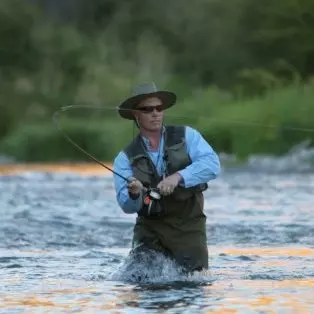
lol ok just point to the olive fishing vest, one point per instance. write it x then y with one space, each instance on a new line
174 155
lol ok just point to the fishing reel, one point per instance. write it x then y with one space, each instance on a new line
154 194
152 206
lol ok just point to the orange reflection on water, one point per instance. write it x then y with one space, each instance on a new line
236 296
242 295
271 251
80 168
29 301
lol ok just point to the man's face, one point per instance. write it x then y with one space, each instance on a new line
149 114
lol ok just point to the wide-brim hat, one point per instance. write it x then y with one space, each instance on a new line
141 92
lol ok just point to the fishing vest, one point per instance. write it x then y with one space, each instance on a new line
175 157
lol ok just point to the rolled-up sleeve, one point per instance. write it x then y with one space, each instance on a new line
205 164
122 166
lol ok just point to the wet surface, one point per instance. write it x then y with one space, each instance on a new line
64 243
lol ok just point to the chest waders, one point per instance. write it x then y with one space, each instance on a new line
180 231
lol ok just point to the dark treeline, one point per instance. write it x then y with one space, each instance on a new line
213 41
53 53
209 41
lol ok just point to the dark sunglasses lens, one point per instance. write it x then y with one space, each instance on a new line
151 109
146 109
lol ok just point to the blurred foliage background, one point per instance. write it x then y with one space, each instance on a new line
243 72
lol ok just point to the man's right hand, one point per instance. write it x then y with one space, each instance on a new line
134 187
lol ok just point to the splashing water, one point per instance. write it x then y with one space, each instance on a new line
152 267
300 158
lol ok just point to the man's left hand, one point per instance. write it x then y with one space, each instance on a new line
167 185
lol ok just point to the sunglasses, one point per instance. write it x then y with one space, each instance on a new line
150 109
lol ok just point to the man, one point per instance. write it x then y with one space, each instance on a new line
178 163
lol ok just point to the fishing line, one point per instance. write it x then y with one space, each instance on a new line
234 121
71 107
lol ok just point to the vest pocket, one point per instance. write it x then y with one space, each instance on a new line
177 157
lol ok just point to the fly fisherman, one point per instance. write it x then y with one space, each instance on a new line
178 163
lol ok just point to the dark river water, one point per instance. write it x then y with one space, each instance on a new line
64 244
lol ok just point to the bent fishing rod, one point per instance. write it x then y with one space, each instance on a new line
55 120
153 193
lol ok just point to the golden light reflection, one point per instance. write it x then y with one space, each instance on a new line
236 298
236 295
29 301
80 168
270 251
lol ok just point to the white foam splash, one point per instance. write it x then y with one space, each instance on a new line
154 268
299 159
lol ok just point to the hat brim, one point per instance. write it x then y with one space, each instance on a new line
125 109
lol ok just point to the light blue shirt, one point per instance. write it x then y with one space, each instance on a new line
205 166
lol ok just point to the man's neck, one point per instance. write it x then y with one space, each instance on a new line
153 138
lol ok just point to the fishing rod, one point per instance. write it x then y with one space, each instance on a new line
152 193
55 120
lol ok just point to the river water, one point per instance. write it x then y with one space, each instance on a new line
64 245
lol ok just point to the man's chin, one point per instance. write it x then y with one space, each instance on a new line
155 127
